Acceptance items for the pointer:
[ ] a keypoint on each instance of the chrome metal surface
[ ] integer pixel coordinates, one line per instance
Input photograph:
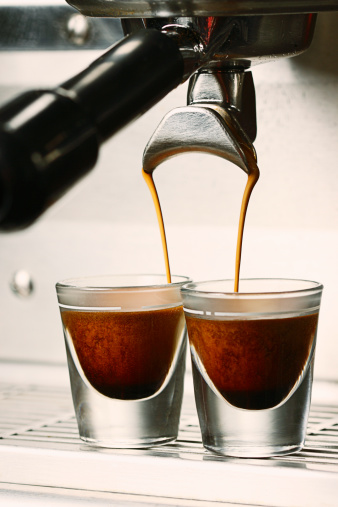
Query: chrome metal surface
(52, 25)
(205, 128)
(40, 447)
(243, 41)
(163, 8)
(209, 123)
(234, 91)
(223, 88)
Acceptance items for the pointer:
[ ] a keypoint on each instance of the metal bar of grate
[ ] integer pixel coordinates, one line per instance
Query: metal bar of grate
(39, 438)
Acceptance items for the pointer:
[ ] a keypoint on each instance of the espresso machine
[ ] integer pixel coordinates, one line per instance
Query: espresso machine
(50, 138)
(208, 80)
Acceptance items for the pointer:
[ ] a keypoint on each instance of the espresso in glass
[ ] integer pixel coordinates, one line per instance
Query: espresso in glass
(252, 361)
(253, 364)
(125, 355)
(125, 338)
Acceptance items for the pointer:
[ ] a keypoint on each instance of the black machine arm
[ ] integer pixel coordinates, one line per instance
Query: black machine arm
(49, 139)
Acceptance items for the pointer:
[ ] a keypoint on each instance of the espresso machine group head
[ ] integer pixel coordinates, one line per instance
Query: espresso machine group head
(49, 139)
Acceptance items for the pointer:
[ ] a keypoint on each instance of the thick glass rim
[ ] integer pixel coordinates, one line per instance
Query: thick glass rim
(194, 288)
(83, 282)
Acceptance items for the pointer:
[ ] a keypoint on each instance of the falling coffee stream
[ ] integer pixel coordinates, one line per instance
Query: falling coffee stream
(151, 185)
(252, 180)
(253, 175)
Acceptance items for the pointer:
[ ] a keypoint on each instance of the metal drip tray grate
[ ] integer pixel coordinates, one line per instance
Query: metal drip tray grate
(39, 445)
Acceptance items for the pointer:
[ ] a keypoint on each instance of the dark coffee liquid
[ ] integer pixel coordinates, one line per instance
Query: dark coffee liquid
(125, 355)
(254, 364)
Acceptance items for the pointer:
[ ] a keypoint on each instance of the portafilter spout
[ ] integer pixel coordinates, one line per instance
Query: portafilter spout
(220, 119)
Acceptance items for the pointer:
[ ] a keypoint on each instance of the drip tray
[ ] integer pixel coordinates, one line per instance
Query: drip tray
(40, 449)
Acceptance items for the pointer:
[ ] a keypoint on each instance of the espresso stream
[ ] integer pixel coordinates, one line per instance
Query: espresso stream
(253, 175)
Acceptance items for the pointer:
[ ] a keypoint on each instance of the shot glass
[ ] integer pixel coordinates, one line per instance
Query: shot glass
(125, 340)
(252, 360)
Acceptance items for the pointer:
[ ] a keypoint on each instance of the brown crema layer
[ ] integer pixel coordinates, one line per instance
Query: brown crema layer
(125, 355)
(254, 364)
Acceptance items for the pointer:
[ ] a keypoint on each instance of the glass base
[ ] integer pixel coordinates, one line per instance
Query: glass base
(241, 451)
(232, 431)
(112, 423)
(130, 444)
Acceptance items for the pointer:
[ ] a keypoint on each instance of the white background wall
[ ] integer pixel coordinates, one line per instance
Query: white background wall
(107, 223)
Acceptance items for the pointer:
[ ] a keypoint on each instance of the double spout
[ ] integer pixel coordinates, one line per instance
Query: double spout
(220, 119)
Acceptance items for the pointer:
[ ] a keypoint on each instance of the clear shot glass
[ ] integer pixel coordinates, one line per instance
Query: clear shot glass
(252, 360)
(125, 339)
